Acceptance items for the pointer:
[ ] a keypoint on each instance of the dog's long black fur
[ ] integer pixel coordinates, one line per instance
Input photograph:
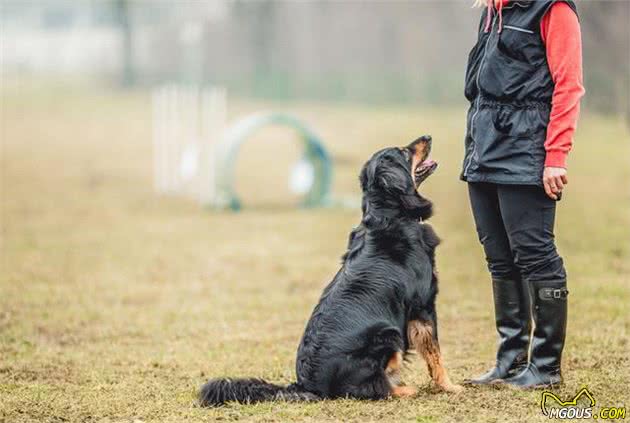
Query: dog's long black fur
(387, 280)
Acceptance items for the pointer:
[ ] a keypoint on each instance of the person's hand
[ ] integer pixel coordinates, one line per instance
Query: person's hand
(554, 180)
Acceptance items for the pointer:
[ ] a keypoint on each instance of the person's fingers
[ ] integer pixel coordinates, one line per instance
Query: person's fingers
(548, 190)
(559, 184)
(565, 179)
(552, 185)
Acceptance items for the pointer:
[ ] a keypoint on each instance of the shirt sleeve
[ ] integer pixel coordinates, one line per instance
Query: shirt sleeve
(560, 30)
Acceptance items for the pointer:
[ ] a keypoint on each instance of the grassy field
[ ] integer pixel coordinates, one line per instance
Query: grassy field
(117, 304)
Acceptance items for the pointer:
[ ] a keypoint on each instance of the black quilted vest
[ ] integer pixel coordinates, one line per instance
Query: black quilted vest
(509, 86)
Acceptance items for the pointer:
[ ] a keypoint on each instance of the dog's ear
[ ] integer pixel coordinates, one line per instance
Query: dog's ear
(371, 175)
(417, 206)
(364, 177)
(398, 184)
(392, 179)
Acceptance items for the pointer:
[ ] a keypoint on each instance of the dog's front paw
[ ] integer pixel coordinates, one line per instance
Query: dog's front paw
(452, 388)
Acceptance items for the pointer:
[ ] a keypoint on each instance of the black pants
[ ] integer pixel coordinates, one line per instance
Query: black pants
(515, 227)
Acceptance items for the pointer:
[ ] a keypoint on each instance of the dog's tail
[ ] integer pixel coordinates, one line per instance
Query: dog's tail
(217, 392)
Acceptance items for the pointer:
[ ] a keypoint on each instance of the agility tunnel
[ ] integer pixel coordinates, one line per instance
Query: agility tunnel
(195, 155)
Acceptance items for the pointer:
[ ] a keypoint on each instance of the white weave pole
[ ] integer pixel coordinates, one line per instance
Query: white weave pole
(213, 118)
(189, 141)
(161, 138)
(156, 137)
(157, 130)
(174, 138)
(188, 122)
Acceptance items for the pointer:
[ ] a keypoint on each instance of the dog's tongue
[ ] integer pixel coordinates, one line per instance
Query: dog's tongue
(428, 162)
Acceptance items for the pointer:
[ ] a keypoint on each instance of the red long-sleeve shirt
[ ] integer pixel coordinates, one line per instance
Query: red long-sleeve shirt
(560, 30)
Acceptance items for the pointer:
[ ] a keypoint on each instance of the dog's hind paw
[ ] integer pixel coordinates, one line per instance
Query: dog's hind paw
(403, 391)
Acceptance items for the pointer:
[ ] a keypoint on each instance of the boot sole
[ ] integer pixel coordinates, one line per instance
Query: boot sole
(532, 387)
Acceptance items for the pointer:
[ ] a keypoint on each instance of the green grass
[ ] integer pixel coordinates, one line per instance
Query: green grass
(117, 304)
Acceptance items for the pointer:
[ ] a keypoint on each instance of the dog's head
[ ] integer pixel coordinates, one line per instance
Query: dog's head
(391, 178)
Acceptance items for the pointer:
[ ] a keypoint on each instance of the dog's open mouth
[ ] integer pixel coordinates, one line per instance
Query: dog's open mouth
(423, 170)
(421, 165)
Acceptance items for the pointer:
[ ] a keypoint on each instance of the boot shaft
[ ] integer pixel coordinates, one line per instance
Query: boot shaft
(513, 321)
(549, 312)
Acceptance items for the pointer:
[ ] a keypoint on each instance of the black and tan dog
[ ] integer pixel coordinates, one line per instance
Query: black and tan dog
(381, 303)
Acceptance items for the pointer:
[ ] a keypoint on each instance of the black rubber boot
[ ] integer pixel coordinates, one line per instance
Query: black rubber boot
(550, 320)
(512, 314)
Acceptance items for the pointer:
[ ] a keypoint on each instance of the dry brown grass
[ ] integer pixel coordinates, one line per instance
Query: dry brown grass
(116, 305)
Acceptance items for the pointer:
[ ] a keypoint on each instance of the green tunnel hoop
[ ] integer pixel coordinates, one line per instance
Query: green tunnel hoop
(314, 153)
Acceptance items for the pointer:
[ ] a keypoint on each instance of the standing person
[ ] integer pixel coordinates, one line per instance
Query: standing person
(524, 84)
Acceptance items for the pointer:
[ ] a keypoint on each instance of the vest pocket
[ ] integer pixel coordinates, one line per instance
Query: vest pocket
(518, 122)
(508, 155)
(514, 143)
(506, 145)
(519, 44)
(516, 28)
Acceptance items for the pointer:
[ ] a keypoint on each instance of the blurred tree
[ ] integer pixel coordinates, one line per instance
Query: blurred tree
(606, 35)
(364, 50)
(128, 77)
(259, 20)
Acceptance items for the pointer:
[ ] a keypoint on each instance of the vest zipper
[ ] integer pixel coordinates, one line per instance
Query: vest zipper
(472, 119)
